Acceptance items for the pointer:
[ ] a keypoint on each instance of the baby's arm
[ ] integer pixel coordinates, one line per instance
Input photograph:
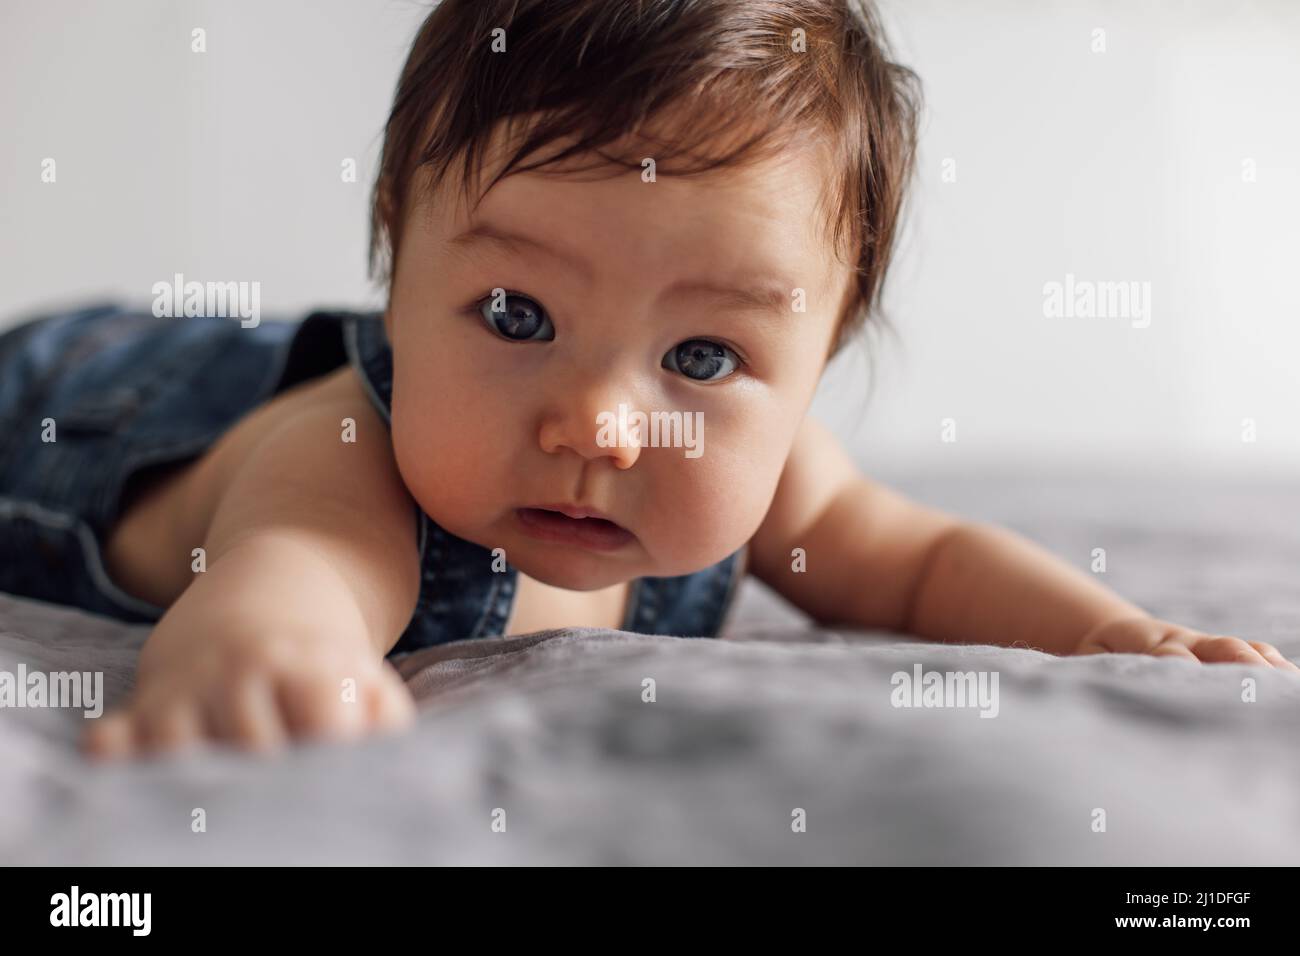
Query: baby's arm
(312, 574)
(877, 560)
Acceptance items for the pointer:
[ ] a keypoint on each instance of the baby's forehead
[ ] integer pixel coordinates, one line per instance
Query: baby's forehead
(757, 233)
(772, 206)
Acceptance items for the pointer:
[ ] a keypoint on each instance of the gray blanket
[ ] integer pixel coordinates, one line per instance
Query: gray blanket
(780, 743)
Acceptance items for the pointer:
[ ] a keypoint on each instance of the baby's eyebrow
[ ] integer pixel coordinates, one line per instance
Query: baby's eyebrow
(752, 295)
(761, 292)
(485, 233)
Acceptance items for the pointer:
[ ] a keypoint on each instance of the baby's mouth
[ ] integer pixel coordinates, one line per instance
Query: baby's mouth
(588, 531)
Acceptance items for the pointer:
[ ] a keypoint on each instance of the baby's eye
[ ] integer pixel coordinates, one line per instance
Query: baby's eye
(701, 360)
(517, 318)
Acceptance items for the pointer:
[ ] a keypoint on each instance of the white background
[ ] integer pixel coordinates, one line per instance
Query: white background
(1123, 165)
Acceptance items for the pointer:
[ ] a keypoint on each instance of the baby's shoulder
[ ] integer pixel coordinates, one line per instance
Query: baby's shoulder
(318, 439)
(311, 422)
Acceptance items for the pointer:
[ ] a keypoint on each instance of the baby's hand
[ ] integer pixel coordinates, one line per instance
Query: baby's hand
(1146, 635)
(256, 694)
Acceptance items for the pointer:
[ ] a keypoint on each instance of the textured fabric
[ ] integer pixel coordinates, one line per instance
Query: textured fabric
(119, 392)
(552, 729)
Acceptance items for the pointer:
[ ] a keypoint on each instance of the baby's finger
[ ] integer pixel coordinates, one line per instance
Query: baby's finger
(247, 713)
(1228, 650)
(352, 706)
(171, 727)
(1273, 656)
(391, 705)
(315, 706)
(109, 737)
(1173, 649)
(1091, 647)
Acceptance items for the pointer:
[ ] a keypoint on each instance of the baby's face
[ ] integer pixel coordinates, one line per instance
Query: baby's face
(611, 297)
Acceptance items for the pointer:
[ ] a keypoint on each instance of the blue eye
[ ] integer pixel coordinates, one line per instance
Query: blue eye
(518, 318)
(701, 360)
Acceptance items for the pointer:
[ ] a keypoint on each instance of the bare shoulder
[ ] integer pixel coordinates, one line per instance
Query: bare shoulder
(317, 455)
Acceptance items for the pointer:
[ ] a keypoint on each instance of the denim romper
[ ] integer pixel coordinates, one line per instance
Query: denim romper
(128, 391)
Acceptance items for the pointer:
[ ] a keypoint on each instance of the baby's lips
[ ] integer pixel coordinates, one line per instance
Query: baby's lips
(576, 511)
(587, 531)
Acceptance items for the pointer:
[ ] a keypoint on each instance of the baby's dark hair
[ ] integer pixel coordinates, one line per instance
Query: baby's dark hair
(754, 74)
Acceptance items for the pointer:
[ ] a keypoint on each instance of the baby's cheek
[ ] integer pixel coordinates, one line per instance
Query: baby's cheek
(709, 507)
(413, 456)
(424, 448)
(437, 461)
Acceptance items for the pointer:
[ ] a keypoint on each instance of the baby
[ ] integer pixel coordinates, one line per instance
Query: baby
(652, 213)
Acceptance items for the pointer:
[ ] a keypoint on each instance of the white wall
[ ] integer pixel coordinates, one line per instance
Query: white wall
(224, 164)
(1122, 165)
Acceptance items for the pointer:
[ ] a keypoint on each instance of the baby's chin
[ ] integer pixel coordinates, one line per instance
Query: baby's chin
(560, 570)
(576, 569)
(559, 565)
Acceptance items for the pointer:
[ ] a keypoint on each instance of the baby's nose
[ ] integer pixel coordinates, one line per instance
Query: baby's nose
(594, 423)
